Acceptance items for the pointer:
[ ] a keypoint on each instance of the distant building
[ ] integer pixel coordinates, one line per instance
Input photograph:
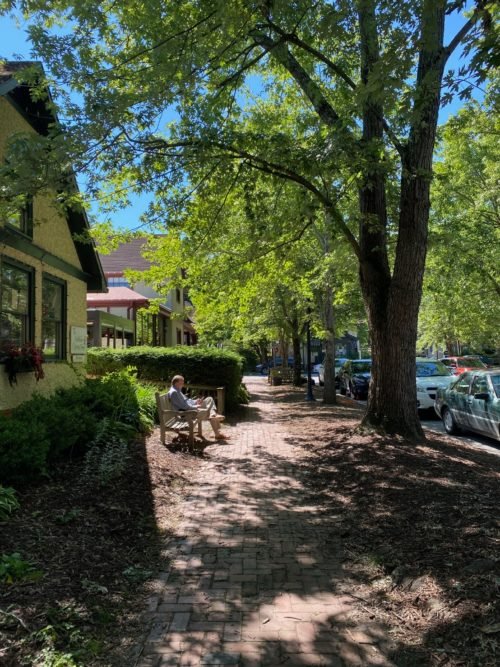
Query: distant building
(119, 318)
(44, 272)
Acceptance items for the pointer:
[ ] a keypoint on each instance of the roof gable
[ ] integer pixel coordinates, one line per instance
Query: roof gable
(40, 115)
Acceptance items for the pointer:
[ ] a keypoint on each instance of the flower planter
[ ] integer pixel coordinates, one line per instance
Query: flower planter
(27, 359)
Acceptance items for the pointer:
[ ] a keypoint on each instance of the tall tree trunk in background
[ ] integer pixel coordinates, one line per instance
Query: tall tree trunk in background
(392, 302)
(329, 392)
(327, 312)
(297, 361)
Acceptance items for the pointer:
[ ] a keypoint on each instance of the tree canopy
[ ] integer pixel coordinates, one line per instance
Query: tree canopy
(461, 302)
(329, 96)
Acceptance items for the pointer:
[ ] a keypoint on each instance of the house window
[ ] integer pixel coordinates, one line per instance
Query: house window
(117, 281)
(178, 295)
(22, 219)
(179, 337)
(53, 311)
(16, 304)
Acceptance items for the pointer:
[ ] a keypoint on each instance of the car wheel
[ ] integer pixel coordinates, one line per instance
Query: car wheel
(450, 425)
(321, 384)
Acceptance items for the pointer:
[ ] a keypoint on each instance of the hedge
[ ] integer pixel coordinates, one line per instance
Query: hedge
(208, 366)
(47, 429)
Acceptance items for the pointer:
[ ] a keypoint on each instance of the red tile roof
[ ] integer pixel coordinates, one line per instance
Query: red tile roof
(116, 296)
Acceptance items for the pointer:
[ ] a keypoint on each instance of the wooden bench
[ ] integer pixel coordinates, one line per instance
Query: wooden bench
(202, 391)
(284, 375)
(176, 420)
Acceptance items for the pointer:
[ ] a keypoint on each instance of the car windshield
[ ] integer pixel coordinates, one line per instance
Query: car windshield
(495, 379)
(361, 366)
(470, 362)
(431, 368)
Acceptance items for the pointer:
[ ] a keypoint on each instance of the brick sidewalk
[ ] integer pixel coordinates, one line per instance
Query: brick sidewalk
(254, 571)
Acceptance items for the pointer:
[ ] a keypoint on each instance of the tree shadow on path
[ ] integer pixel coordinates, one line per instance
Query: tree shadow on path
(306, 543)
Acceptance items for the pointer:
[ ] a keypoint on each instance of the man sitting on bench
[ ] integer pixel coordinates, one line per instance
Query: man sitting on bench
(205, 406)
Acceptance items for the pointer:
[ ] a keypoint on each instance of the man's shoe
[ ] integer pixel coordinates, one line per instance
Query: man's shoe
(222, 436)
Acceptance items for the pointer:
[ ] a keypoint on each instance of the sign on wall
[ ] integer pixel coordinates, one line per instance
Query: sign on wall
(79, 340)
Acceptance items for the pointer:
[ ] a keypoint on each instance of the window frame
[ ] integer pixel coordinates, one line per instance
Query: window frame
(30, 270)
(27, 217)
(62, 355)
(480, 378)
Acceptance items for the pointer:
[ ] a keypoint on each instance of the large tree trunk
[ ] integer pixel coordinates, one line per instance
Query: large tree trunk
(392, 303)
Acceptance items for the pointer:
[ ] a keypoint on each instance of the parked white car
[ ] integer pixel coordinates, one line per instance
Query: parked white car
(431, 374)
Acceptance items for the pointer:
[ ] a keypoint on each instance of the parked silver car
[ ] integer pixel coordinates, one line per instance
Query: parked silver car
(472, 403)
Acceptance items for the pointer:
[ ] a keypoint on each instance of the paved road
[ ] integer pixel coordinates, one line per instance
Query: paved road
(479, 441)
(431, 422)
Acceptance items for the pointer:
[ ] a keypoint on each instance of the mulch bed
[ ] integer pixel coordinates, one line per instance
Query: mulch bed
(97, 551)
(420, 530)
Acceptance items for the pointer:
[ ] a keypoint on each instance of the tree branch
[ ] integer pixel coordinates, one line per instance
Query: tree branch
(295, 39)
(461, 34)
(336, 69)
(308, 86)
(263, 165)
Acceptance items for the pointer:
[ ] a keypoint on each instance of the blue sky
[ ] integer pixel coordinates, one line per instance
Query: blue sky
(14, 45)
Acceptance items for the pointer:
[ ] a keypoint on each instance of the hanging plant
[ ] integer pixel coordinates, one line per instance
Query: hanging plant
(24, 359)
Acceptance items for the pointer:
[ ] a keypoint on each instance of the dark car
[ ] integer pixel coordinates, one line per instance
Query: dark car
(355, 377)
(471, 403)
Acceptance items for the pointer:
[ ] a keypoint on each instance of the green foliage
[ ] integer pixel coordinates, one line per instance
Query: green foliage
(461, 301)
(24, 449)
(332, 98)
(68, 516)
(50, 657)
(8, 502)
(137, 574)
(212, 367)
(13, 568)
(243, 395)
(45, 429)
(109, 453)
(63, 640)
(250, 359)
(68, 423)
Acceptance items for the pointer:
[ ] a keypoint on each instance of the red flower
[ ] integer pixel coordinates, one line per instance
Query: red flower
(26, 357)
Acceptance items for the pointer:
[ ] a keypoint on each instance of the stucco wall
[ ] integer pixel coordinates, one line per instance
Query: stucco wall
(50, 232)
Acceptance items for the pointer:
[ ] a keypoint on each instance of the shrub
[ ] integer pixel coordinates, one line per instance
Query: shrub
(8, 502)
(213, 367)
(44, 429)
(24, 448)
(69, 424)
(109, 453)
